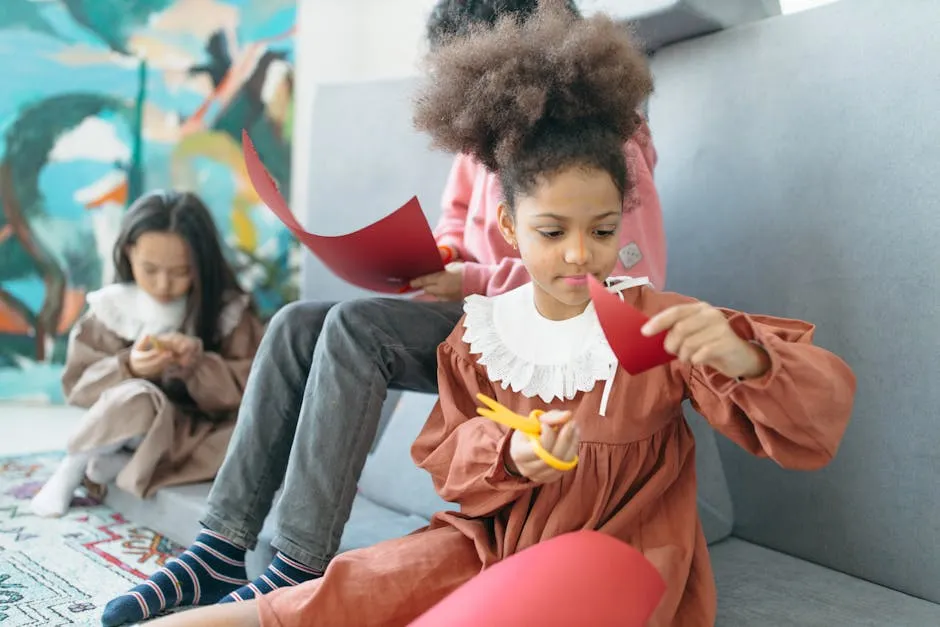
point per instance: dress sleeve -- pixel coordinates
(217, 381)
(97, 359)
(796, 413)
(463, 452)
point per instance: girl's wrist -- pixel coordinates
(448, 253)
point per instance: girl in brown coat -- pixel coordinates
(159, 359)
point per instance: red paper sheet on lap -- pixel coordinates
(582, 578)
(622, 323)
(382, 257)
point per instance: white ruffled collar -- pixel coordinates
(536, 357)
(131, 313)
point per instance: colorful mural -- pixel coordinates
(104, 99)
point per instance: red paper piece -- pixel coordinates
(622, 323)
(383, 257)
(579, 578)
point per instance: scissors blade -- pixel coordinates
(509, 418)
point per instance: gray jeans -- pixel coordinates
(310, 413)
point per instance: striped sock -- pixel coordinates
(208, 570)
(282, 573)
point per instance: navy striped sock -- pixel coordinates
(208, 570)
(282, 573)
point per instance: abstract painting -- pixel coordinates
(103, 100)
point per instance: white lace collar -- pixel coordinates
(131, 313)
(524, 351)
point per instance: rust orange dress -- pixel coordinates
(636, 476)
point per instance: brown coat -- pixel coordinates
(635, 480)
(177, 444)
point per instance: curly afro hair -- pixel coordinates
(455, 18)
(531, 98)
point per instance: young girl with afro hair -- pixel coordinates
(547, 103)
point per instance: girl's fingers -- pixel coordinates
(544, 474)
(704, 355)
(572, 451)
(555, 418)
(548, 437)
(145, 356)
(667, 318)
(423, 282)
(155, 359)
(522, 450)
(566, 436)
(692, 344)
(683, 330)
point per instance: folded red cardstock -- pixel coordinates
(383, 257)
(622, 323)
(578, 578)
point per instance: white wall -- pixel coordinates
(349, 41)
(792, 6)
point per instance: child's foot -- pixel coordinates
(53, 500)
(96, 491)
(282, 573)
(207, 571)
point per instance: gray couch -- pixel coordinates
(797, 174)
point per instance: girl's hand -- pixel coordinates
(701, 335)
(147, 361)
(185, 348)
(446, 285)
(559, 437)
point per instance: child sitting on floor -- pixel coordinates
(159, 360)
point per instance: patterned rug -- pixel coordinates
(62, 571)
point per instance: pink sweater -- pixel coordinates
(491, 266)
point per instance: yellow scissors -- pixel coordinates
(531, 426)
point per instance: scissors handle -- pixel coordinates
(551, 460)
(531, 426)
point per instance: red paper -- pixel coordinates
(383, 257)
(578, 578)
(622, 323)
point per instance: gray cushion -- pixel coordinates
(174, 511)
(798, 174)
(371, 523)
(757, 586)
(714, 499)
(390, 477)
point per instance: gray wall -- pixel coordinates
(799, 177)
(366, 161)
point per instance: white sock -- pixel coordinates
(104, 468)
(54, 498)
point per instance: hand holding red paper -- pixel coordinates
(622, 324)
(578, 578)
(383, 257)
(696, 333)
(444, 286)
(700, 334)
